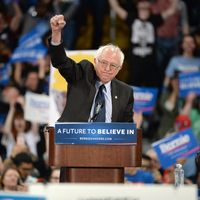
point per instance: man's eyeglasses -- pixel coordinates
(106, 64)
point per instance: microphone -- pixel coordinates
(97, 111)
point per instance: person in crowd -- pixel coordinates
(17, 148)
(169, 101)
(25, 164)
(35, 22)
(40, 12)
(197, 162)
(155, 165)
(164, 175)
(140, 175)
(194, 114)
(54, 175)
(143, 23)
(71, 11)
(168, 176)
(170, 32)
(19, 131)
(97, 10)
(1, 165)
(188, 118)
(85, 80)
(34, 81)
(6, 68)
(193, 14)
(186, 62)
(10, 180)
(191, 112)
(10, 22)
(168, 108)
(182, 122)
(8, 94)
(30, 76)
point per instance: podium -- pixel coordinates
(94, 163)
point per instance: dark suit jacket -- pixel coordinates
(81, 78)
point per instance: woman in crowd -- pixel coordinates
(10, 180)
(18, 131)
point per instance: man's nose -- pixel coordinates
(108, 67)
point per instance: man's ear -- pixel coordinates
(95, 61)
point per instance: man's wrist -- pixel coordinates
(56, 38)
(55, 43)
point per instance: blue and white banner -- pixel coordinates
(31, 47)
(95, 133)
(182, 144)
(189, 82)
(144, 99)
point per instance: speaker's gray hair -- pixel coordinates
(114, 48)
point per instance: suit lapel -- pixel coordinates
(115, 101)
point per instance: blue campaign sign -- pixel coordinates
(189, 82)
(4, 196)
(31, 47)
(144, 99)
(28, 54)
(182, 144)
(95, 133)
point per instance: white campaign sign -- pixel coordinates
(114, 192)
(37, 107)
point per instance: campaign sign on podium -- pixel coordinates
(95, 133)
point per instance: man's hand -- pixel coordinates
(57, 23)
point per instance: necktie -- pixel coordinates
(99, 114)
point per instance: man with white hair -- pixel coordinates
(85, 82)
(94, 94)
